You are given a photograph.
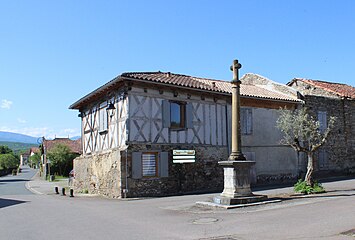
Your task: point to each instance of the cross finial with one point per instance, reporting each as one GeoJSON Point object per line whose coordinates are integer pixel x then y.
{"type": "Point", "coordinates": [235, 68]}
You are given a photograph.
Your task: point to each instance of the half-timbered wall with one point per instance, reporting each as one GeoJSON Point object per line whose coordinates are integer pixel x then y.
{"type": "Point", "coordinates": [102, 130]}
{"type": "Point", "coordinates": [146, 119]}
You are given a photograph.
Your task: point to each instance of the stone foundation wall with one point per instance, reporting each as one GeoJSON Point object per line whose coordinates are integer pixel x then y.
{"type": "Point", "coordinates": [205, 175]}
{"type": "Point", "coordinates": [99, 174]}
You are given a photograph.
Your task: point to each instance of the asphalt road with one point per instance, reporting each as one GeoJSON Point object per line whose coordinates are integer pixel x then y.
{"type": "Point", "coordinates": [61, 217]}
{"type": "Point", "coordinates": [15, 185]}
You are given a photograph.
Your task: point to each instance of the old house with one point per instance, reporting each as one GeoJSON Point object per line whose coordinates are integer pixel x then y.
{"type": "Point", "coordinates": [159, 133]}
{"type": "Point", "coordinates": [325, 99]}
{"type": "Point", "coordinates": [46, 146]}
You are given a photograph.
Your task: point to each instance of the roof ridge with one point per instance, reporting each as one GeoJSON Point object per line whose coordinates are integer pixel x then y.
{"type": "Point", "coordinates": [321, 81]}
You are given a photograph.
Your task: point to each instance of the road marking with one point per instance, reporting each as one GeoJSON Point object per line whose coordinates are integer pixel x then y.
{"type": "Point", "coordinates": [28, 187]}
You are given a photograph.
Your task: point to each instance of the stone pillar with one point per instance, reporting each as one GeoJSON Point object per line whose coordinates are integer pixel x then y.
{"type": "Point", "coordinates": [236, 133]}
{"type": "Point", "coordinates": [237, 168]}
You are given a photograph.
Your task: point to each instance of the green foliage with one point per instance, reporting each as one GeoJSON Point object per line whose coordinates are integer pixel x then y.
{"type": "Point", "coordinates": [301, 130]}
{"type": "Point", "coordinates": [17, 147]}
{"type": "Point", "coordinates": [35, 159]}
{"type": "Point", "coordinates": [61, 159]}
{"type": "Point", "coordinates": [302, 187]}
{"type": "Point", "coordinates": [5, 149]}
{"type": "Point", "coordinates": [8, 161]}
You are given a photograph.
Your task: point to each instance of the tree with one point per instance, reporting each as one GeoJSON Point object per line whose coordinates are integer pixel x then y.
{"type": "Point", "coordinates": [302, 132]}
{"type": "Point", "coordinates": [5, 150]}
{"type": "Point", "coordinates": [8, 161]}
{"type": "Point", "coordinates": [35, 159]}
{"type": "Point", "coordinates": [61, 159]}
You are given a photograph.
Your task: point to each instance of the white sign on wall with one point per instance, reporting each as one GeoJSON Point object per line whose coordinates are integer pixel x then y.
{"type": "Point", "coordinates": [183, 156]}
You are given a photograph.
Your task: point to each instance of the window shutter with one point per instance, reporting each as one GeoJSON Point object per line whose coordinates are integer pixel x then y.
{"type": "Point", "coordinates": [322, 118]}
{"type": "Point", "coordinates": [189, 116]}
{"type": "Point", "coordinates": [136, 165]}
{"type": "Point", "coordinates": [243, 121]}
{"type": "Point", "coordinates": [166, 113]}
{"type": "Point", "coordinates": [249, 121]}
{"type": "Point", "coordinates": [164, 164]}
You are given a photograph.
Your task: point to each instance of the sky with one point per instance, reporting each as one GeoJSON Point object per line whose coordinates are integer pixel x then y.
{"type": "Point", "coordinates": [52, 53]}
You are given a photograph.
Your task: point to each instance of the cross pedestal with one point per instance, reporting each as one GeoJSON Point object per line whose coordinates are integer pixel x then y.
{"type": "Point", "coordinates": [237, 184]}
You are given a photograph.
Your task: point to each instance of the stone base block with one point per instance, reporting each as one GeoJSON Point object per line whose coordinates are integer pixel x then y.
{"type": "Point", "coordinates": [239, 200]}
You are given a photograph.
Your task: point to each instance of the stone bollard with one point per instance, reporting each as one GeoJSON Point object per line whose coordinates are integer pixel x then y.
{"type": "Point", "coordinates": [71, 192]}
{"type": "Point", "coordinates": [63, 191]}
{"type": "Point", "coordinates": [56, 190]}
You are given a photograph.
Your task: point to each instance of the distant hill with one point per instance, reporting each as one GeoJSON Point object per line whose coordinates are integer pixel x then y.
{"type": "Point", "coordinates": [75, 138]}
{"type": "Point", "coordinates": [16, 137]}
{"type": "Point", "coordinates": [17, 147]}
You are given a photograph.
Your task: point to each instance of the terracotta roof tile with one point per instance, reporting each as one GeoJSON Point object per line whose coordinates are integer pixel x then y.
{"type": "Point", "coordinates": [340, 89]}
{"type": "Point", "coordinates": [74, 145]}
{"type": "Point", "coordinates": [179, 80]}
{"type": "Point", "coordinates": [209, 84]}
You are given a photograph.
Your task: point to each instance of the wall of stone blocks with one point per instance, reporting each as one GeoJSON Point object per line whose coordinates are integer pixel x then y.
{"type": "Point", "coordinates": [205, 175]}
{"type": "Point", "coordinates": [99, 174]}
{"type": "Point", "coordinates": [340, 144]}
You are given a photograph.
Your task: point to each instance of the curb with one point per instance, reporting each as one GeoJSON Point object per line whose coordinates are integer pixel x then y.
{"type": "Point", "coordinates": [29, 188]}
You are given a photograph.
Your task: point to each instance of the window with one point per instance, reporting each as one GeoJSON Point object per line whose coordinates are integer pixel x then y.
{"type": "Point", "coordinates": [323, 162]}
{"type": "Point", "coordinates": [246, 121]}
{"type": "Point", "coordinates": [103, 126]}
{"type": "Point", "coordinates": [177, 115]}
{"type": "Point", "coordinates": [150, 165]}
{"type": "Point", "coordinates": [322, 118]}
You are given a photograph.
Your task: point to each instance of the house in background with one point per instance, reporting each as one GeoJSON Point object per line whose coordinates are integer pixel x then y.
{"type": "Point", "coordinates": [48, 145]}
{"type": "Point", "coordinates": [24, 158]}
{"type": "Point", "coordinates": [159, 133]}
{"type": "Point", "coordinates": [325, 99]}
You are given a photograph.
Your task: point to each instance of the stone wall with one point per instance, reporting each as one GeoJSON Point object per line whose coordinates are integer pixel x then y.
{"type": "Point", "coordinates": [99, 174]}
{"type": "Point", "coordinates": [340, 146]}
{"type": "Point", "coordinates": [205, 175]}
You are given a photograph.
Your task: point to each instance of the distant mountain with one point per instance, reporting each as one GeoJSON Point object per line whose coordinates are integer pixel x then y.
{"type": "Point", "coordinates": [75, 138]}
{"type": "Point", "coordinates": [18, 147]}
{"type": "Point", "coordinates": [16, 137]}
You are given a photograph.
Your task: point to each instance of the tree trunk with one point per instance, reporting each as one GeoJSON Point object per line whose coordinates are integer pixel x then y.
{"type": "Point", "coordinates": [310, 168]}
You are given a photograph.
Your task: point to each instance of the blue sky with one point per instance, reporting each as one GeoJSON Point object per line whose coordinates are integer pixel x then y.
{"type": "Point", "coordinates": [54, 52]}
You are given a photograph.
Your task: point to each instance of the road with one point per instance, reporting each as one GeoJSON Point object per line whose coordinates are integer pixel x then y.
{"type": "Point", "coordinates": [15, 185]}
{"type": "Point", "coordinates": [29, 216]}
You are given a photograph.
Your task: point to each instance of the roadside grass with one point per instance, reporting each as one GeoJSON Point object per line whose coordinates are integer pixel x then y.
{"type": "Point", "coordinates": [58, 178]}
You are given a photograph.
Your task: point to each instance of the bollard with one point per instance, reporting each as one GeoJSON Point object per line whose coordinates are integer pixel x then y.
{"type": "Point", "coordinates": [63, 191]}
{"type": "Point", "coordinates": [56, 190]}
{"type": "Point", "coordinates": [71, 192]}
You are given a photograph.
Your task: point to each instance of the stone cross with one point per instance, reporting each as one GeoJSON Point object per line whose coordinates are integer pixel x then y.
{"type": "Point", "coordinates": [236, 154]}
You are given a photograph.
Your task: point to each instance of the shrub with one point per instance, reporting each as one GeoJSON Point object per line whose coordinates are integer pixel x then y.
{"type": "Point", "coordinates": [302, 187]}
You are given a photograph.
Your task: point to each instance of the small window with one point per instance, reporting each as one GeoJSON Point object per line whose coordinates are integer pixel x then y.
{"type": "Point", "coordinates": [246, 121]}
{"type": "Point", "coordinates": [103, 121]}
{"type": "Point", "coordinates": [177, 115]}
{"type": "Point", "coordinates": [322, 118]}
{"type": "Point", "coordinates": [149, 164]}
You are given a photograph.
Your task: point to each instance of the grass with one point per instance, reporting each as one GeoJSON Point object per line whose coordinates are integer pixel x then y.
{"type": "Point", "coordinates": [302, 187]}
{"type": "Point", "coordinates": [58, 178]}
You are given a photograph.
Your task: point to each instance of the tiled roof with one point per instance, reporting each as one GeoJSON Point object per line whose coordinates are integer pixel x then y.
{"type": "Point", "coordinates": [34, 150]}
{"type": "Point", "coordinates": [179, 80]}
{"type": "Point", "coordinates": [74, 145]}
{"type": "Point", "coordinates": [339, 89]}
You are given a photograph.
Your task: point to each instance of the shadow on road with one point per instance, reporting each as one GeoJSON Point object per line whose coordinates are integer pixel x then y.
{"type": "Point", "coordinates": [13, 180]}
{"type": "Point", "coordinates": [9, 202]}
